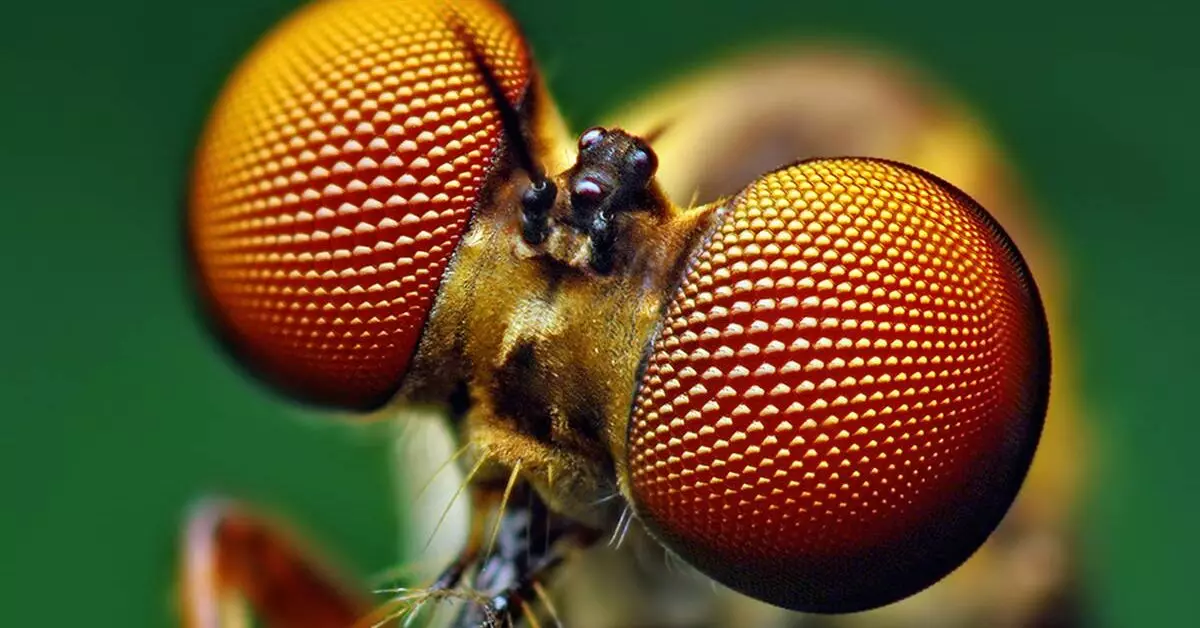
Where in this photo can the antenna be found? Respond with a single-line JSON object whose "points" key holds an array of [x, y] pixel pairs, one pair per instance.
{"points": [[653, 134]]}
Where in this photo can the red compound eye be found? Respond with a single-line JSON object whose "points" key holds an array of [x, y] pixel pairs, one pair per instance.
{"points": [[846, 392], [334, 179]]}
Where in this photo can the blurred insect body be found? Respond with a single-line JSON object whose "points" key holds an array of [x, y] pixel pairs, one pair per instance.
{"points": [[823, 391]]}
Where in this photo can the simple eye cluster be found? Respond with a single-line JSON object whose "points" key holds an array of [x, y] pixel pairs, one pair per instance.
{"points": [[631, 161], [638, 158], [840, 383]]}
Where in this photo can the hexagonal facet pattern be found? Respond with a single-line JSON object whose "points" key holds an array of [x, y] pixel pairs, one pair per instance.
{"points": [[846, 391], [336, 175]]}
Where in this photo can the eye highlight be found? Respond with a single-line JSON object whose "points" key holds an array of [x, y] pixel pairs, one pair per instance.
{"points": [[591, 137], [846, 391], [587, 190], [643, 161]]}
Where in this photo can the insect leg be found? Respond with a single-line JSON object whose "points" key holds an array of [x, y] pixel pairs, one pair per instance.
{"points": [[237, 563]]}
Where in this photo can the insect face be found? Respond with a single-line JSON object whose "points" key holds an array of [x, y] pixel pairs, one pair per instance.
{"points": [[823, 392], [554, 326]]}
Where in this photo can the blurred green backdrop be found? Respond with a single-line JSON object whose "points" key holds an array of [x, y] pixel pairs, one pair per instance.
{"points": [[117, 410]]}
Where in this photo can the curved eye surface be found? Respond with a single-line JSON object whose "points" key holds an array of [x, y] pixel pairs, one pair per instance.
{"points": [[644, 162], [333, 181], [591, 137], [587, 190], [846, 392]]}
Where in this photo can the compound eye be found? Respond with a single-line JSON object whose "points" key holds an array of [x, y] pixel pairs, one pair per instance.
{"points": [[591, 137], [323, 213], [846, 392]]}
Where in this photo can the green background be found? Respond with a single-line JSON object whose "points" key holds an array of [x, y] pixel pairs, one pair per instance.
{"points": [[117, 410]]}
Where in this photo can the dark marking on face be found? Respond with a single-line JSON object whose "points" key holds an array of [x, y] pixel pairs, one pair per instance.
{"points": [[588, 421], [517, 399], [460, 399]]}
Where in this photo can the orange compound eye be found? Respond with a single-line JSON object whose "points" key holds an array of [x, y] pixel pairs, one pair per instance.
{"points": [[336, 175], [847, 389]]}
